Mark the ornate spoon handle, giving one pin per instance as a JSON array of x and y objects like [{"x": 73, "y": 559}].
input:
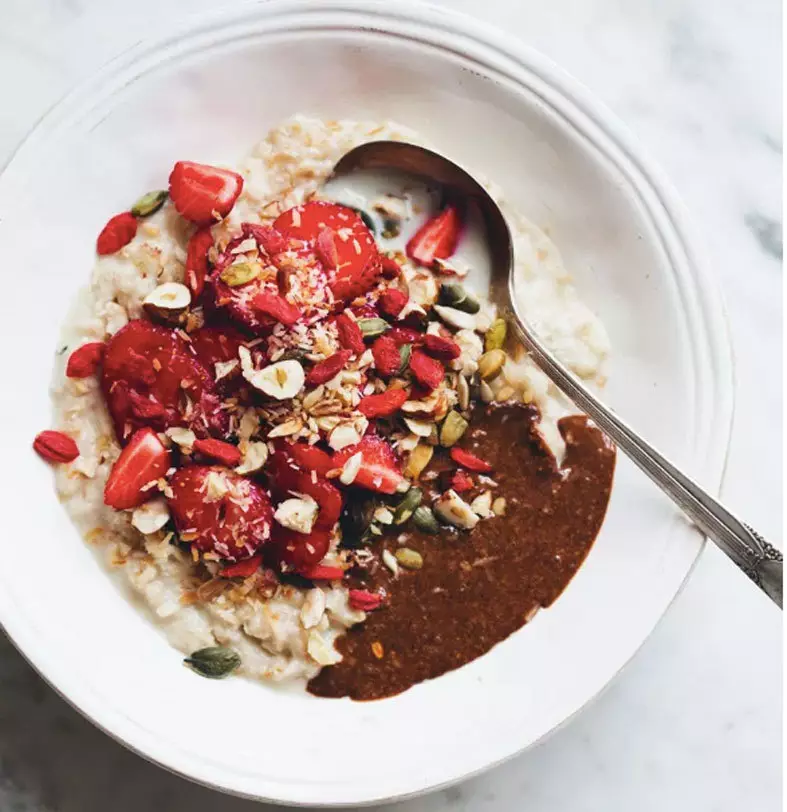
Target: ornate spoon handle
[{"x": 748, "y": 549}]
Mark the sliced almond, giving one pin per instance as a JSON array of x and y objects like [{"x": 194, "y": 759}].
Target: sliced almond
[
  {"x": 223, "y": 368},
  {"x": 345, "y": 434},
  {"x": 456, "y": 318},
  {"x": 350, "y": 469},
  {"x": 482, "y": 505},
  {"x": 151, "y": 516},
  {"x": 313, "y": 608},
  {"x": 298, "y": 514},
  {"x": 451, "y": 508},
  {"x": 185, "y": 438},
  {"x": 421, "y": 428},
  {"x": 320, "y": 650},
  {"x": 255, "y": 455},
  {"x": 166, "y": 303}
]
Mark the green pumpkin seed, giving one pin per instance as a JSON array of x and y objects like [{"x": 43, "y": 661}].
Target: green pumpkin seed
[
  {"x": 452, "y": 294},
  {"x": 419, "y": 458},
  {"x": 371, "y": 328},
  {"x": 490, "y": 364},
  {"x": 495, "y": 337},
  {"x": 409, "y": 559},
  {"x": 405, "y": 351},
  {"x": 150, "y": 203},
  {"x": 404, "y": 510},
  {"x": 357, "y": 521},
  {"x": 239, "y": 274},
  {"x": 454, "y": 426},
  {"x": 424, "y": 520},
  {"x": 214, "y": 662}
]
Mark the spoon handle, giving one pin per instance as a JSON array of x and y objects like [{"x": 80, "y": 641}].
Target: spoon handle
[{"x": 748, "y": 549}]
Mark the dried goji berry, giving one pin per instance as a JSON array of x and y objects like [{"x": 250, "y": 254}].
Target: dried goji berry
[
  {"x": 383, "y": 404},
  {"x": 242, "y": 569},
  {"x": 403, "y": 335},
  {"x": 392, "y": 302},
  {"x": 325, "y": 370},
  {"x": 200, "y": 242},
  {"x": 427, "y": 371},
  {"x": 470, "y": 461},
  {"x": 225, "y": 453},
  {"x": 386, "y": 356},
  {"x": 119, "y": 231},
  {"x": 321, "y": 572},
  {"x": 84, "y": 361},
  {"x": 350, "y": 335},
  {"x": 277, "y": 307},
  {"x": 54, "y": 446},
  {"x": 363, "y": 600},
  {"x": 461, "y": 482},
  {"x": 439, "y": 347}
]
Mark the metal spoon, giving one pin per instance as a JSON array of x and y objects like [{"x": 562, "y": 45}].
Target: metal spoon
[{"x": 756, "y": 557}]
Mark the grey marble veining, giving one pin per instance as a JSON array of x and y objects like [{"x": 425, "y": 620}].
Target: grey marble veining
[{"x": 694, "y": 723}]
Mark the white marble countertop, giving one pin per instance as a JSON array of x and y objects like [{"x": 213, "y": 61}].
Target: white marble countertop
[{"x": 694, "y": 723}]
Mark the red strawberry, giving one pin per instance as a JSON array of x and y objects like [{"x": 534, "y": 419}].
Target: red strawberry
[
  {"x": 142, "y": 461},
  {"x": 355, "y": 264},
  {"x": 440, "y": 347},
  {"x": 197, "y": 263},
  {"x": 277, "y": 307},
  {"x": 427, "y": 371},
  {"x": 225, "y": 453},
  {"x": 219, "y": 345},
  {"x": 85, "y": 360},
  {"x": 350, "y": 335},
  {"x": 325, "y": 370},
  {"x": 437, "y": 237},
  {"x": 150, "y": 377},
  {"x": 469, "y": 461},
  {"x": 403, "y": 335},
  {"x": 321, "y": 572},
  {"x": 242, "y": 569},
  {"x": 202, "y": 193},
  {"x": 119, "y": 231},
  {"x": 301, "y": 551},
  {"x": 220, "y": 512},
  {"x": 386, "y": 356},
  {"x": 379, "y": 469},
  {"x": 392, "y": 302},
  {"x": 364, "y": 600},
  {"x": 383, "y": 404},
  {"x": 310, "y": 458}
]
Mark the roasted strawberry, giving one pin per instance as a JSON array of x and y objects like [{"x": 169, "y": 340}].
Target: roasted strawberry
[
  {"x": 197, "y": 264},
  {"x": 310, "y": 458},
  {"x": 141, "y": 463},
  {"x": 220, "y": 512},
  {"x": 202, "y": 193},
  {"x": 301, "y": 551},
  {"x": 379, "y": 469},
  {"x": 437, "y": 238},
  {"x": 219, "y": 345},
  {"x": 151, "y": 378},
  {"x": 119, "y": 231},
  {"x": 342, "y": 242}
]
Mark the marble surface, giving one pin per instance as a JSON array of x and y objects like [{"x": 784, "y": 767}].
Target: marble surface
[{"x": 694, "y": 723}]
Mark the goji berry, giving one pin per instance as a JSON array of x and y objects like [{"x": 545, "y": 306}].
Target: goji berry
[
  {"x": 439, "y": 347},
  {"x": 363, "y": 600},
  {"x": 325, "y": 370},
  {"x": 350, "y": 335},
  {"x": 200, "y": 242},
  {"x": 383, "y": 404},
  {"x": 392, "y": 302},
  {"x": 321, "y": 572},
  {"x": 427, "y": 371},
  {"x": 403, "y": 335},
  {"x": 461, "y": 482},
  {"x": 242, "y": 569},
  {"x": 386, "y": 356},
  {"x": 54, "y": 446},
  {"x": 119, "y": 231},
  {"x": 225, "y": 453},
  {"x": 277, "y": 307},
  {"x": 84, "y": 361},
  {"x": 469, "y": 461}
]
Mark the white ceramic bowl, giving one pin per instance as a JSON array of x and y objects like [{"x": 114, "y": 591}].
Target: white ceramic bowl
[{"x": 208, "y": 93}]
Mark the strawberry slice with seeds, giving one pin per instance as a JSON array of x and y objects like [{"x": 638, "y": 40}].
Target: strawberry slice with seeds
[
  {"x": 379, "y": 469},
  {"x": 341, "y": 241},
  {"x": 202, "y": 193},
  {"x": 197, "y": 263},
  {"x": 220, "y": 512},
  {"x": 437, "y": 238},
  {"x": 310, "y": 458},
  {"x": 219, "y": 345},
  {"x": 150, "y": 377},
  {"x": 142, "y": 461},
  {"x": 119, "y": 231}
]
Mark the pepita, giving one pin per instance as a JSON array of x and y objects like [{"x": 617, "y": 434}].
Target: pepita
[
  {"x": 419, "y": 458},
  {"x": 454, "y": 426},
  {"x": 239, "y": 274},
  {"x": 409, "y": 559},
  {"x": 452, "y": 294},
  {"x": 495, "y": 337},
  {"x": 490, "y": 364},
  {"x": 462, "y": 392},
  {"x": 214, "y": 662},
  {"x": 150, "y": 203},
  {"x": 425, "y": 521},
  {"x": 371, "y": 328},
  {"x": 405, "y": 351},
  {"x": 404, "y": 510},
  {"x": 486, "y": 393},
  {"x": 504, "y": 394}
]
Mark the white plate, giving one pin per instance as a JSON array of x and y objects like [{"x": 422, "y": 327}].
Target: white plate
[{"x": 208, "y": 93}]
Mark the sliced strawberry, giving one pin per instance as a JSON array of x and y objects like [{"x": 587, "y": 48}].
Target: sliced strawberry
[
  {"x": 219, "y": 451},
  {"x": 469, "y": 461},
  {"x": 243, "y": 569},
  {"x": 276, "y": 307},
  {"x": 202, "y": 193},
  {"x": 142, "y": 461},
  {"x": 301, "y": 551},
  {"x": 310, "y": 458},
  {"x": 119, "y": 231},
  {"x": 197, "y": 264},
  {"x": 219, "y": 345},
  {"x": 220, "y": 512},
  {"x": 437, "y": 238},
  {"x": 151, "y": 378},
  {"x": 384, "y": 404},
  {"x": 350, "y": 335},
  {"x": 379, "y": 469},
  {"x": 342, "y": 241}
]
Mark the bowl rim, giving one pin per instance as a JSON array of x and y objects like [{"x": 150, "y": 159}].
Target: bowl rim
[{"x": 497, "y": 51}]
